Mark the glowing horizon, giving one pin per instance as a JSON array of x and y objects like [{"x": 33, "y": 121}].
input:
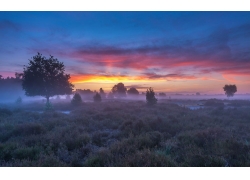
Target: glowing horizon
[{"x": 170, "y": 51}]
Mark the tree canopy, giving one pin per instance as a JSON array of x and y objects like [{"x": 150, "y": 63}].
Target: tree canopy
[
  {"x": 230, "y": 90},
  {"x": 45, "y": 77},
  {"x": 133, "y": 91},
  {"x": 150, "y": 96},
  {"x": 119, "y": 90},
  {"x": 76, "y": 100}
]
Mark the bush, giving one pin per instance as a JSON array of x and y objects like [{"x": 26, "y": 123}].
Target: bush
[
  {"x": 48, "y": 107},
  {"x": 97, "y": 98},
  {"x": 19, "y": 100},
  {"x": 150, "y": 96},
  {"x": 76, "y": 100}
]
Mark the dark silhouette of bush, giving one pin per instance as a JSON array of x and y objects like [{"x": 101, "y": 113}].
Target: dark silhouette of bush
[
  {"x": 97, "y": 97},
  {"x": 133, "y": 91},
  {"x": 230, "y": 90},
  {"x": 45, "y": 77},
  {"x": 150, "y": 96},
  {"x": 76, "y": 100},
  {"x": 119, "y": 90},
  {"x": 19, "y": 100},
  {"x": 48, "y": 106}
]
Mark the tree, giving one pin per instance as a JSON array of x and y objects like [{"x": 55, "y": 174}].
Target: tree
[
  {"x": 119, "y": 90},
  {"x": 45, "y": 77},
  {"x": 150, "y": 96},
  {"x": 19, "y": 75},
  {"x": 97, "y": 97},
  {"x": 102, "y": 93},
  {"x": 133, "y": 91},
  {"x": 230, "y": 90},
  {"x": 76, "y": 100}
]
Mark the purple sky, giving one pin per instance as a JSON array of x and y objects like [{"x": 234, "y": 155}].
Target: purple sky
[{"x": 183, "y": 52}]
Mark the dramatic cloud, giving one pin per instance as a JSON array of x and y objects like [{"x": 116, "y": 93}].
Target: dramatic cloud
[{"x": 138, "y": 47}]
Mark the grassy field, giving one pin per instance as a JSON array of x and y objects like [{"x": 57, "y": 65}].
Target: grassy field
[{"x": 126, "y": 133}]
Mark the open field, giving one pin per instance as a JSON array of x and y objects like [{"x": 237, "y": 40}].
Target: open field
[{"x": 126, "y": 133}]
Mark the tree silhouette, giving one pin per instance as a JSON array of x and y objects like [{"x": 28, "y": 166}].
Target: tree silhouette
[
  {"x": 133, "y": 91},
  {"x": 230, "y": 90},
  {"x": 19, "y": 75},
  {"x": 19, "y": 100},
  {"x": 76, "y": 100},
  {"x": 45, "y": 77},
  {"x": 102, "y": 93},
  {"x": 150, "y": 96},
  {"x": 97, "y": 97},
  {"x": 119, "y": 90}
]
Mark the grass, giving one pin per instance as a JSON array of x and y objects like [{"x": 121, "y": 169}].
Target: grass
[{"x": 125, "y": 133}]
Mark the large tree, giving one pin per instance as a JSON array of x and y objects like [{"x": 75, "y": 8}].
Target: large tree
[
  {"x": 133, "y": 91},
  {"x": 119, "y": 90},
  {"x": 45, "y": 77},
  {"x": 230, "y": 90}
]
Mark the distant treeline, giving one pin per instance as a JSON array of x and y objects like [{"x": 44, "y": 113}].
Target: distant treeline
[{"x": 11, "y": 88}]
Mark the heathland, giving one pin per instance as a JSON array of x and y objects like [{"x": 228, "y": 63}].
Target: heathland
[{"x": 126, "y": 133}]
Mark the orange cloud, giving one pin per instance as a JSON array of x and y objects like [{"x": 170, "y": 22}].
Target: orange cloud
[{"x": 147, "y": 77}]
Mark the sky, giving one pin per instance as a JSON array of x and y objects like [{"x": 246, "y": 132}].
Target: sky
[{"x": 171, "y": 51}]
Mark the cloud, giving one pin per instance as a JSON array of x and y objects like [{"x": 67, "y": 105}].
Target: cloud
[
  {"x": 168, "y": 76},
  {"x": 211, "y": 52},
  {"x": 225, "y": 50},
  {"x": 9, "y": 25},
  {"x": 145, "y": 77}
]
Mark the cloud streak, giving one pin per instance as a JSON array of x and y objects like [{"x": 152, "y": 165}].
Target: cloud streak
[{"x": 214, "y": 53}]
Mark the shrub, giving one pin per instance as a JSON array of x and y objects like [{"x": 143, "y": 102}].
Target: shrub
[
  {"x": 150, "y": 96},
  {"x": 19, "y": 100},
  {"x": 48, "y": 107},
  {"x": 97, "y": 97},
  {"x": 76, "y": 100}
]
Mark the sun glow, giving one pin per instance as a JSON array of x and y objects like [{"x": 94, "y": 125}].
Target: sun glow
[{"x": 110, "y": 79}]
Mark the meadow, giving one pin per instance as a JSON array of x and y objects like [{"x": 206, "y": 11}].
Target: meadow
[{"x": 120, "y": 133}]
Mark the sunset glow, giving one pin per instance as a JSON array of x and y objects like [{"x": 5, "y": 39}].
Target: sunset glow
[{"x": 180, "y": 52}]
